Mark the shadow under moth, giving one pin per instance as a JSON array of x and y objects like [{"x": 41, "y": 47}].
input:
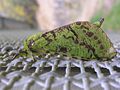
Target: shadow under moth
[{"x": 80, "y": 40}]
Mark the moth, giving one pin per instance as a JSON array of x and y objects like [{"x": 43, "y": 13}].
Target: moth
[{"x": 80, "y": 40}]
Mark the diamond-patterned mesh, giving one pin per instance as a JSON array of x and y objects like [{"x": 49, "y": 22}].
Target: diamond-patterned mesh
[{"x": 55, "y": 73}]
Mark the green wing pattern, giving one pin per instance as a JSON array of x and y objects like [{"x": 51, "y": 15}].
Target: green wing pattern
[{"x": 81, "y": 40}]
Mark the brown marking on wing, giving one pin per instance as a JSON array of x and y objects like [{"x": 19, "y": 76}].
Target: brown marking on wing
[
  {"x": 44, "y": 35},
  {"x": 99, "y": 42},
  {"x": 90, "y": 48},
  {"x": 63, "y": 49},
  {"x": 74, "y": 57},
  {"x": 48, "y": 41},
  {"x": 95, "y": 37},
  {"x": 30, "y": 46},
  {"x": 90, "y": 34},
  {"x": 70, "y": 28},
  {"x": 84, "y": 31},
  {"x": 31, "y": 43},
  {"x": 85, "y": 25},
  {"x": 101, "y": 47},
  {"x": 47, "y": 37},
  {"x": 78, "y": 23},
  {"x": 75, "y": 40},
  {"x": 82, "y": 44},
  {"x": 82, "y": 26},
  {"x": 53, "y": 33}
]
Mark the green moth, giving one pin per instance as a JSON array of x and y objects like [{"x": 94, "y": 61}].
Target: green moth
[{"x": 80, "y": 40}]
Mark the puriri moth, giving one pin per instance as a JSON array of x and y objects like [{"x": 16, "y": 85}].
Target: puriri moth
[{"x": 80, "y": 40}]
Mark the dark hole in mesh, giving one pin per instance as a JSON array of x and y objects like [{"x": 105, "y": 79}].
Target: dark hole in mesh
[
  {"x": 90, "y": 70},
  {"x": 105, "y": 71},
  {"x": 116, "y": 68},
  {"x": 42, "y": 70}
]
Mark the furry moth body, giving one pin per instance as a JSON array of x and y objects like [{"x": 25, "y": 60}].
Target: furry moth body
[{"x": 81, "y": 40}]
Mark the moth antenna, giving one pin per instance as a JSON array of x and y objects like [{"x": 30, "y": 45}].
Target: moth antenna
[{"x": 99, "y": 23}]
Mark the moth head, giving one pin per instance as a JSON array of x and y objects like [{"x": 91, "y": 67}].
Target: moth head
[{"x": 99, "y": 22}]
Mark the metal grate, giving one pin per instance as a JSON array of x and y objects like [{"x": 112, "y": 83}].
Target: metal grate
[{"x": 56, "y": 74}]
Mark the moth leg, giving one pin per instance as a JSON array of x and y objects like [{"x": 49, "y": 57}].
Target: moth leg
[
  {"x": 62, "y": 56},
  {"x": 48, "y": 55},
  {"x": 32, "y": 57}
]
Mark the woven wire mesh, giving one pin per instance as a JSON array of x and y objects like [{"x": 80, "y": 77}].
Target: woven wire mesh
[{"x": 55, "y": 73}]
